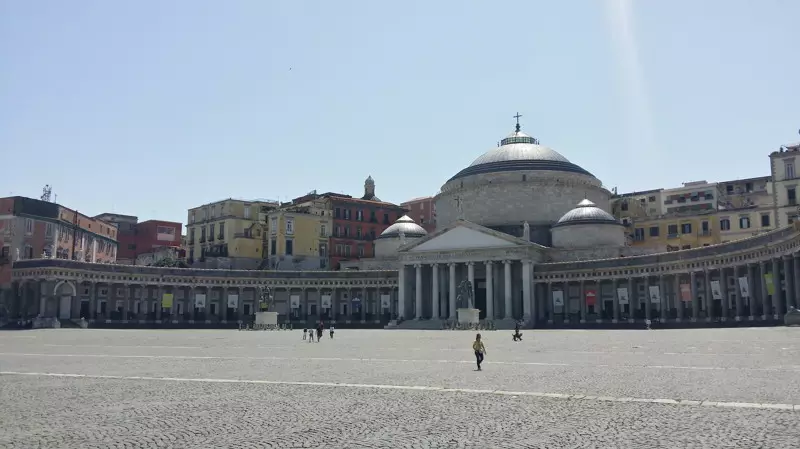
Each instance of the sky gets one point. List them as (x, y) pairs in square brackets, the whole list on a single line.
[(152, 107)]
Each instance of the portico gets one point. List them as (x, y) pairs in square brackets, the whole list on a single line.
[(498, 266)]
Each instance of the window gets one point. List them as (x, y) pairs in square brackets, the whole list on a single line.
[(28, 226), (725, 224), (273, 247), (360, 215), (290, 226), (372, 234), (422, 219), (765, 220), (791, 195), (221, 231), (789, 166), (347, 231), (323, 250), (358, 232), (372, 216), (339, 250), (191, 235), (347, 251), (748, 187), (213, 211), (686, 228), (744, 222), (704, 227), (624, 206), (385, 218), (347, 214), (289, 247), (211, 231), (638, 234), (4, 253), (672, 231), (337, 213), (654, 231), (48, 230), (165, 230), (651, 199), (323, 231), (360, 250), (191, 218), (273, 225)]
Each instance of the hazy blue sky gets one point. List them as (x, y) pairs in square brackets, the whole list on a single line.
[(151, 107)]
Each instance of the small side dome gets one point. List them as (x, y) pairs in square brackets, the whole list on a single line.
[(407, 226), (587, 213)]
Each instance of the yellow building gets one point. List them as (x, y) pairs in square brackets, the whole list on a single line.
[(673, 233), (298, 234), (228, 234)]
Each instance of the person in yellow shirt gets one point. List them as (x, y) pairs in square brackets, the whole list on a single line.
[(479, 349)]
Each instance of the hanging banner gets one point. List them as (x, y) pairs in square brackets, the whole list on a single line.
[(558, 298), (233, 301), (655, 294), (716, 290), (385, 301), (622, 295), (326, 301), (770, 284), (686, 292), (294, 301), (166, 301), (591, 297), (744, 287), (200, 301)]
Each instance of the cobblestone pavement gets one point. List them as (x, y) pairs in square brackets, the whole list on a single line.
[(720, 388)]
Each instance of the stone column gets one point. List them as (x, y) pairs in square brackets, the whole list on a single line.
[(126, 302), (401, 294), (364, 304), (582, 294), (765, 308), (709, 297), (723, 288), (471, 276), (796, 271), (790, 281), (678, 298), (526, 290), (190, 303), (435, 293), (418, 269), (92, 300), (777, 287), (452, 290), (508, 313), (632, 299), (662, 291), (738, 290), (159, 296), (43, 299), (614, 286), (489, 290), (648, 305), (750, 272), (693, 289)]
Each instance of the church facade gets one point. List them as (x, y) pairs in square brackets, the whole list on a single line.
[(526, 235)]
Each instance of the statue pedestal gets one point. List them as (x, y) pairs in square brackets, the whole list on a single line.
[(468, 316), (267, 318)]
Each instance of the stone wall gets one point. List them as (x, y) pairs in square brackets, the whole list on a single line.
[(496, 199), (588, 235), (388, 247)]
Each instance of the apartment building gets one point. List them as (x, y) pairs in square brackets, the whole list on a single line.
[(784, 166), (144, 239), (422, 211), (228, 234), (298, 234)]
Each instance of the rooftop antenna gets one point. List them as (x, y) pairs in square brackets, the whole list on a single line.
[(46, 192)]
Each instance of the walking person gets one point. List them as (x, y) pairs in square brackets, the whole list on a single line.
[(331, 331), (479, 349), (305, 331), (320, 329)]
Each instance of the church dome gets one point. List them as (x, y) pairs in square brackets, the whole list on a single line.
[(407, 226), (519, 151), (586, 213)]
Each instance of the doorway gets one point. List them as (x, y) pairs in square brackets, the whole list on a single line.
[(65, 308), (480, 298)]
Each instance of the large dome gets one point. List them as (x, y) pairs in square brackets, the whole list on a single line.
[(520, 151), (587, 213), (407, 226)]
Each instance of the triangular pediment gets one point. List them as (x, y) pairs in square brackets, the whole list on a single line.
[(464, 235)]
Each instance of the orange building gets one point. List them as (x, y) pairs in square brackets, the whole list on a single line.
[(422, 211)]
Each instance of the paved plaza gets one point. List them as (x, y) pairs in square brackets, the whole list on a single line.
[(716, 388)]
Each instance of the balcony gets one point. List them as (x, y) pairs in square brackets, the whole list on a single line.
[(672, 236), (202, 239), (221, 237), (706, 233)]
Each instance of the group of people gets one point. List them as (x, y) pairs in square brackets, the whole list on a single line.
[(308, 334)]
